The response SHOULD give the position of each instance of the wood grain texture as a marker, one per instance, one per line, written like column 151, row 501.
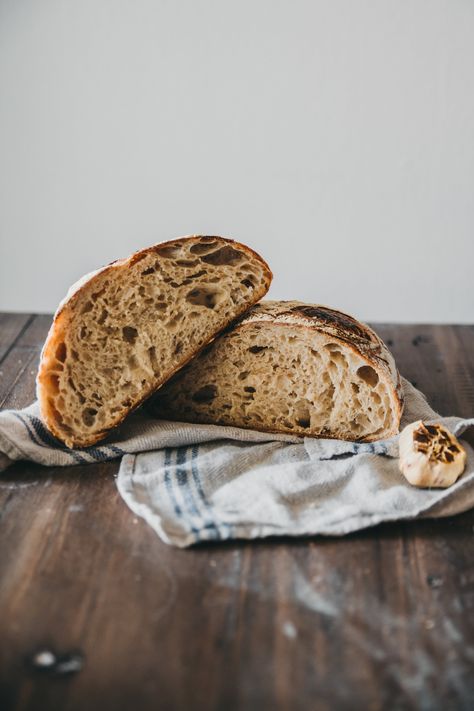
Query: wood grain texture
column 383, row 619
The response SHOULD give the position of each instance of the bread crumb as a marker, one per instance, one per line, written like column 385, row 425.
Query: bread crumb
column 289, row 630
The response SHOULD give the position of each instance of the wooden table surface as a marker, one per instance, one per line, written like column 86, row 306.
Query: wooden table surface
column 383, row 619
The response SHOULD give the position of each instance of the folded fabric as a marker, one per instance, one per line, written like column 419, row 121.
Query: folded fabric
column 196, row 483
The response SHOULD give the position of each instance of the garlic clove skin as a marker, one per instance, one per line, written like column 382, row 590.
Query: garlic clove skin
column 430, row 456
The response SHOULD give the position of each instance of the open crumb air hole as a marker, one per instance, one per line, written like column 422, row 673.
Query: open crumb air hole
column 224, row 255
column 129, row 334
column 248, row 283
column 88, row 416
column 205, row 394
column 61, row 352
column 202, row 296
column 368, row 375
column 203, row 247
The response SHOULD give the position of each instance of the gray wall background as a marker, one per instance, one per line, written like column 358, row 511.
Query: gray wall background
column 336, row 137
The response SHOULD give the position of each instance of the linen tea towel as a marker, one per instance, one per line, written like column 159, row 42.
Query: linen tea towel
column 195, row 483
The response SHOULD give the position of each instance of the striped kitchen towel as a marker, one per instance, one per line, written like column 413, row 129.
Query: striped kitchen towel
column 195, row 483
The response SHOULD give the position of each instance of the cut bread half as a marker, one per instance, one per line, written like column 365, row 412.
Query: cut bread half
column 124, row 330
column 293, row 368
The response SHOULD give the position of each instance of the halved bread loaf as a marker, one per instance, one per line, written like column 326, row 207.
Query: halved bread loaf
column 124, row 330
column 294, row 368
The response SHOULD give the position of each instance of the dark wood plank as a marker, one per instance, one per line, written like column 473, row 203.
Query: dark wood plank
column 439, row 360
column 11, row 326
column 20, row 363
column 381, row 619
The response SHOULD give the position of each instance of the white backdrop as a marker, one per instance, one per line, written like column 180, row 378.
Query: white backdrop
column 336, row 137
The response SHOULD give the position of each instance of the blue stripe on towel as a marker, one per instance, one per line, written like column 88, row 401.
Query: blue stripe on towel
column 42, row 437
column 186, row 491
column 210, row 524
column 116, row 450
column 169, row 483
column 36, row 438
column 216, row 530
column 181, row 474
column 192, row 509
column 96, row 453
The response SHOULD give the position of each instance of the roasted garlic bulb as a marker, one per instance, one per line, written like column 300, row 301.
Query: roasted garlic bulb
column 430, row 456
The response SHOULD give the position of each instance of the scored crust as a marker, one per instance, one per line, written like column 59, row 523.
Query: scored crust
column 266, row 373
column 215, row 294
column 336, row 324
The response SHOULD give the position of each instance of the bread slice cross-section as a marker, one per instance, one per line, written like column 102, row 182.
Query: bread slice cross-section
column 294, row 368
column 124, row 330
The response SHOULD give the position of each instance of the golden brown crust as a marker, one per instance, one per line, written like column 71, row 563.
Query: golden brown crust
column 65, row 312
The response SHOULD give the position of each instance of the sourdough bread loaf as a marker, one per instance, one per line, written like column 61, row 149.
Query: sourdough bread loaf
column 124, row 330
column 293, row 368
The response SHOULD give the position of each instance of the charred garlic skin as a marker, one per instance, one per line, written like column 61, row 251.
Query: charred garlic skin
column 430, row 456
